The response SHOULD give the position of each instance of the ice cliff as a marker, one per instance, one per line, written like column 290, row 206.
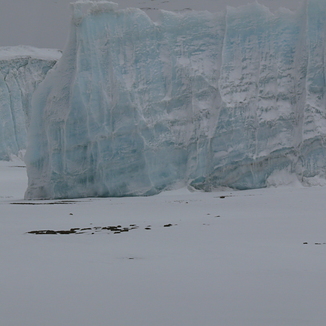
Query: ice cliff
column 21, row 70
column 204, row 99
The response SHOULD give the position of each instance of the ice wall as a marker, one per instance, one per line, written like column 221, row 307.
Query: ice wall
column 204, row 99
column 21, row 70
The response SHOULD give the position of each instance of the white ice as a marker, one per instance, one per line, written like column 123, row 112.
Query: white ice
column 22, row 68
column 196, row 99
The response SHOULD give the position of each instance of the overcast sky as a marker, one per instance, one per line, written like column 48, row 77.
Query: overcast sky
column 45, row 23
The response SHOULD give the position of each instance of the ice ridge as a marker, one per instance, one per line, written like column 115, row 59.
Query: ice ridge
column 199, row 99
column 22, row 68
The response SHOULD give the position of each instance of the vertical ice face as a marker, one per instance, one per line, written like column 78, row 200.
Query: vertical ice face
column 199, row 98
column 314, row 117
column 21, row 70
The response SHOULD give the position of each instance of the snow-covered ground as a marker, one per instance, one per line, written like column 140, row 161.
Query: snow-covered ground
column 232, row 258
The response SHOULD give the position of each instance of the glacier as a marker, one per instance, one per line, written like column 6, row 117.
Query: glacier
column 198, row 99
column 22, row 68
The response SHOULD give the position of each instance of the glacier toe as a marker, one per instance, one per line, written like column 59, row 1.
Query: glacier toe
column 22, row 68
column 202, row 99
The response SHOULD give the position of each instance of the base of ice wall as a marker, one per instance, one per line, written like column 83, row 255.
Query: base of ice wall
column 202, row 99
column 22, row 68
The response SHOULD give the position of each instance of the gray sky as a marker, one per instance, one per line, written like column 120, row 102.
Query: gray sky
column 45, row 23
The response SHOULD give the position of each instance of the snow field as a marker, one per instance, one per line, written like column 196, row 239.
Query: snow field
column 238, row 260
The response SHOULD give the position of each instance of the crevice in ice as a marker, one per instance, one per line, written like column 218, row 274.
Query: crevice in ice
column 12, row 116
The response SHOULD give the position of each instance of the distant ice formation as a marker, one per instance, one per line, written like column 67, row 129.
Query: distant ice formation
column 235, row 99
column 22, row 68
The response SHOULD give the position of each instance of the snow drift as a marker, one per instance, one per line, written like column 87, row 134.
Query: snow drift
column 21, row 70
column 201, row 99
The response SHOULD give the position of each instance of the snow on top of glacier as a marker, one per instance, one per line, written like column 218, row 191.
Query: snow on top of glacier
column 82, row 8
column 154, row 9
column 11, row 52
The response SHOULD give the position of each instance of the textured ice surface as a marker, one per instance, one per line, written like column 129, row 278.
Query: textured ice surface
column 198, row 98
column 21, row 70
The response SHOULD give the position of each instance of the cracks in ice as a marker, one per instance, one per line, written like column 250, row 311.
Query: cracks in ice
column 111, row 229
